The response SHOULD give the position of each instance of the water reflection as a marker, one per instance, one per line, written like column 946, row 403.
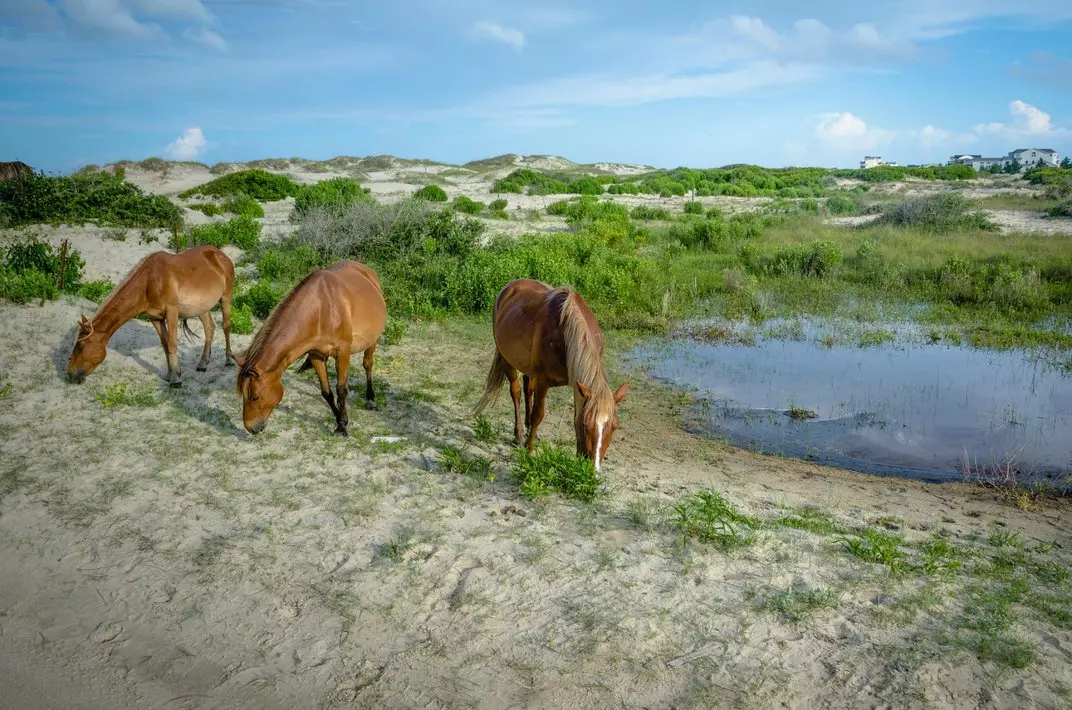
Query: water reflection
column 910, row 409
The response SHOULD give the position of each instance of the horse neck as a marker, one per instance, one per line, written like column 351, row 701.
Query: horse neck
column 125, row 303
column 281, row 347
column 583, row 362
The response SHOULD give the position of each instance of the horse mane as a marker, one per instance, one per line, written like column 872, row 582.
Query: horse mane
column 256, row 347
column 122, row 288
column 583, row 362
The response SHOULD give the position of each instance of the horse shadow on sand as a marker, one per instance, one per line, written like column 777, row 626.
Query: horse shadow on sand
column 138, row 341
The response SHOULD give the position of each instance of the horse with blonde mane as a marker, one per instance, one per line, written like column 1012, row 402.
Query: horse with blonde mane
column 167, row 288
column 333, row 312
column 552, row 338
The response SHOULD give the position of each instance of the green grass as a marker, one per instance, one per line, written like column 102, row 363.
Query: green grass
column 797, row 604
column 453, row 460
column 96, row 290
column 482, row 429
column 32, row 269
column 549, row 470
column 122, row 394
column 812, row 520
column 878, row 547
column 708, row 517
column 242, row 231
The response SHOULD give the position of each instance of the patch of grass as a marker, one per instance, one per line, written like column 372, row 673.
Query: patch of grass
column 122, row 394
column 811, row 520
column 32, row 269
column 394, row 330
column 482, row 429
column 243, row 206
column 5, row 391
column 497, row 205
column 649, row 213
column 1004, row 538
column 878, row 547
column 549, row 469
column 209, row 209
column 708, row 517
column 796, row 604
column 259, row 185
column 466, row 205
column 939, row 557
column 332, row 195
column 800, row 414
column 454, row 460
column 395, row 548
column 210, row 551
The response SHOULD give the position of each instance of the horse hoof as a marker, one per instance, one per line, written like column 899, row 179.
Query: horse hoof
column 371, row 405
column 200, row 368
column 341, row 433
column 174, row 385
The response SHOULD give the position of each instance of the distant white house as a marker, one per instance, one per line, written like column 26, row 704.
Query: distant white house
column 1027, row 157
column 874, row 161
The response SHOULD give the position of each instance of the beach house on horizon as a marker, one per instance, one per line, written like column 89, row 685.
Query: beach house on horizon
column 1026, row 157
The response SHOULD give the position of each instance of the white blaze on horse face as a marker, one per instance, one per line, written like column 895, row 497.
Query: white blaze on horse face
column 599, row 442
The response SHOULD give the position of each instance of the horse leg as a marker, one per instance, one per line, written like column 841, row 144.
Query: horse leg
column 538, row 410
column 366, row 362
column 210, row 330
column 342, row 389
column 171, row 350
column 225, row 308
column 515, row 395
column 321, row 368
column 529, row 385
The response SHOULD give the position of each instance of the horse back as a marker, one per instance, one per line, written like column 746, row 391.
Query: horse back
column 528, row 331
column 352, row 289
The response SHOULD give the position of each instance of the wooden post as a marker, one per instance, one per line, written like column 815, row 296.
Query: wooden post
column 64, row 246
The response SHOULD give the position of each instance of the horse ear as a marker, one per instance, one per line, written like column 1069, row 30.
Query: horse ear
column 620, row 393
column 584, row 391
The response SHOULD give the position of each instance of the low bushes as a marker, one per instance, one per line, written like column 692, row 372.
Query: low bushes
column 259, row 185
column 334, row 194
column 31, row 269
column 102, row 197
column 942, row 212
column 243, row 232
column 431, row 193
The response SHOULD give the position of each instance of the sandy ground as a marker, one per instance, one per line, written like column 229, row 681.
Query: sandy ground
column 157, row 556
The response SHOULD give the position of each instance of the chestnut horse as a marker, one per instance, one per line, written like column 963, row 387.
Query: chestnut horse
column 552, row 338
column 166, row 287
column 333, row 312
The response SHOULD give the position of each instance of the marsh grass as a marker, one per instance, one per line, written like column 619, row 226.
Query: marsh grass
column 475, row 468
column 878, row 547
column 811, row 520
column 483, row 430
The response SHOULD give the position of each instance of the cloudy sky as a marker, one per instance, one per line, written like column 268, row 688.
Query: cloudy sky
column 667, row 83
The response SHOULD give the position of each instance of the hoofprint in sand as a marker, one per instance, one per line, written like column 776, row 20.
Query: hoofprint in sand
column 155, row 555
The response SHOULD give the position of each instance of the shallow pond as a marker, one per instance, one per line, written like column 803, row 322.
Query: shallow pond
column 900, row 407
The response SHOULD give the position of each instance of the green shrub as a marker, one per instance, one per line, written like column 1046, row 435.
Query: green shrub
column 101, row 197
column 259, row 185
column 840, row 204
column 559, row 207
column 431, row 193
column 586, row 186
column 243, row 232
column 817, row 260
column 536, row 182
column 243, row 206
column 96, row 290
column 648, row 213
column 468, row 206
column 942, row 212
column 547, row 470
column 242, row 319
column 28, row 285
column 260, row 299
column 334, row 194
column 872, row 267
column 394, row 330
column 209, row 209
column 693, row 207
column 497, row 205
column 39, row 259
column 1064, row 209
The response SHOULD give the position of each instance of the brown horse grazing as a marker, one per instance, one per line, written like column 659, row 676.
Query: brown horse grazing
column 552, row 338
column 166, row 287
column 333, row 312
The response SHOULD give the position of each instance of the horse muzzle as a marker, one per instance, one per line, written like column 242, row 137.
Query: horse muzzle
column 256, row 428
column 76, row 378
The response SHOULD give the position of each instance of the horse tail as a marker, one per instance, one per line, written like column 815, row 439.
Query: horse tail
column 186, row 329
column 498, row 372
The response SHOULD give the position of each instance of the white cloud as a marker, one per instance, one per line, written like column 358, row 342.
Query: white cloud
column 124, row 18
column 188, row 146
column 846, row 131
column 1028, row 122
column 109, row 17
column 205, row 36
column 179, row 9
column 496, row 32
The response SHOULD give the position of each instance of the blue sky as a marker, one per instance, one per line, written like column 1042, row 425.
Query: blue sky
column 664, row 83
